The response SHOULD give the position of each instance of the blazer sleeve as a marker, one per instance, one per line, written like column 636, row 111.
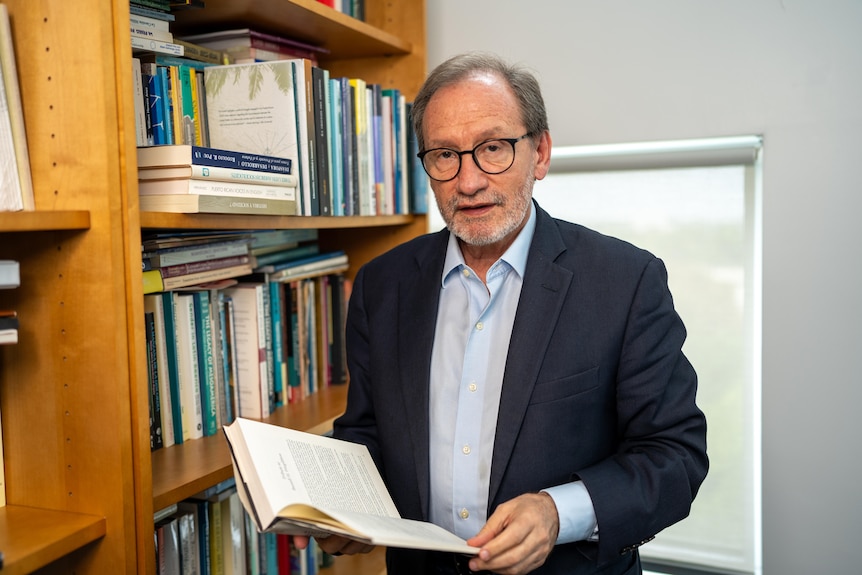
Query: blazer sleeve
column 653, row 476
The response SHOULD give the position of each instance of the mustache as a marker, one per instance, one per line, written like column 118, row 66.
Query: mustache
column 489, row 198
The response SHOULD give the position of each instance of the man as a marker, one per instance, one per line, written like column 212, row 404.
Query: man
column 519, row 380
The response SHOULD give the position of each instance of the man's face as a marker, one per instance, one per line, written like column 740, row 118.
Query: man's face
column 479, row 208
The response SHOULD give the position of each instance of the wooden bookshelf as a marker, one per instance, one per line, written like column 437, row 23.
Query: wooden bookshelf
column 81, row 482
column 44, row 220
column 32, row 538
column 183, row 470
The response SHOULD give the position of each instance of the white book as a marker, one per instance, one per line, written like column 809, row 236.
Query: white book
column 304, row 484
column 249, row 338
column 187, row 361
column 206, row 187
column 138, row 94
column 252, row 108
column 158, row 46
column 10, row 274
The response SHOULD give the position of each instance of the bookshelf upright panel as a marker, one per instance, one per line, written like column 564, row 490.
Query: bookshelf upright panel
column 73, row 391
column 68, row 388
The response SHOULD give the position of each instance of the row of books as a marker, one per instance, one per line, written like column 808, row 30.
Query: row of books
column 243, row 346
column 351, row 146
column 211, row 534
column 186, row 178
column 16, row 186
column 350, row 142
column 355, row 8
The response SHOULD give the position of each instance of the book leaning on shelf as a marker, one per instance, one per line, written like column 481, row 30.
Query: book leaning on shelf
column 16, row 185
column 304, row 484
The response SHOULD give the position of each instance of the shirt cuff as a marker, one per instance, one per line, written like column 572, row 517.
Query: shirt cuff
column 576, row 512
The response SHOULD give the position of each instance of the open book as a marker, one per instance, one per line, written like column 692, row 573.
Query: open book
column 304, row 484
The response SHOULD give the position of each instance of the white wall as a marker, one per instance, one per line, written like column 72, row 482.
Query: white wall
column 791, row 70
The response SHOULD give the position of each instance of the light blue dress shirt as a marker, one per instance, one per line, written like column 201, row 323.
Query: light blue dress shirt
column 471, row 342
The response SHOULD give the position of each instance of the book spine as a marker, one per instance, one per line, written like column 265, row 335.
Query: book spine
column 153, row 282
column 264, row 348
column 169, row 308
column 158, row 46
column 206, row 364
column 148, row 22
column 187, row 355
column 153, row 382
column 275, row 326
column 183, row 255
column 205, row 187
column 245, row 338
column 201, row 53
column 210, row 204
column 165, row 99
column 151, row 13
column 154, row 304
column 202, row 156
column 203, row 266
column 206, row 277
column 144, row 33
column 222, row 174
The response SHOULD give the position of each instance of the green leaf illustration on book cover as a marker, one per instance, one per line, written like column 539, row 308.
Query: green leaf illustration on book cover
column 252, row 108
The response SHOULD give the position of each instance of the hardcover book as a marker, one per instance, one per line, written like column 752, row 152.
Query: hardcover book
column 304, row 484
column 252, row 108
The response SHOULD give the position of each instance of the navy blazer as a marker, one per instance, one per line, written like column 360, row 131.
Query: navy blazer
column 595, row 388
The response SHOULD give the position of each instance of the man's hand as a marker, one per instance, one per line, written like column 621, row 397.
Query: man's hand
column 334, row 545
column 518, row 536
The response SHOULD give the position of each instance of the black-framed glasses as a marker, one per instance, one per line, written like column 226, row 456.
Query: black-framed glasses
column 491, row 156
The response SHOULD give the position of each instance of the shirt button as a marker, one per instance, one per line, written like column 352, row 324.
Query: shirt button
column 480, row 326
column 466, row 450
column 472, row 387
column 464, row 513
column 465, row 273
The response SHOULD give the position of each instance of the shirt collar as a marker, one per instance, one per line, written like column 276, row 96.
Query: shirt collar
column 515, row 256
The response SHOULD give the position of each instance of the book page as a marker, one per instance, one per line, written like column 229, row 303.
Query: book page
column 282, row 466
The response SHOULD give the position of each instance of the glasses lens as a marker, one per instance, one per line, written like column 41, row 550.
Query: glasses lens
column 495, row 156
column 442, row 163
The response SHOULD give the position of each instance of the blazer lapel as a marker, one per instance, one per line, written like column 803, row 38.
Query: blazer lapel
column 418, row 296
column 542, row 295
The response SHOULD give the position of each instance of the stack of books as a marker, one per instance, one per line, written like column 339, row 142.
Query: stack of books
column 175, row 262
column 245, row 45
column 194, row 179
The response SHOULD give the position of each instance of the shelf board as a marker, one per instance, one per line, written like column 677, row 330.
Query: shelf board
column 44, row 220
column 306, row 20
column 163, row 220
column 31, row 538
column 181, row 471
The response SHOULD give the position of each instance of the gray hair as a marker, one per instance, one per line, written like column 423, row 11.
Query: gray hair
column 457, row 68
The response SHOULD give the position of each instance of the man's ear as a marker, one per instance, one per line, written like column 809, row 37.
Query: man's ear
column 543, row 155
